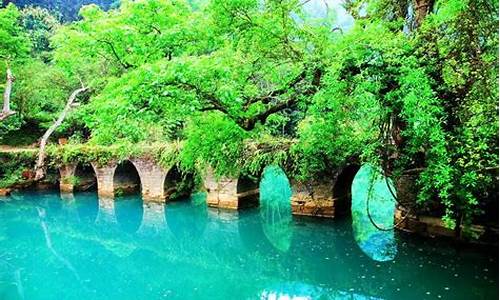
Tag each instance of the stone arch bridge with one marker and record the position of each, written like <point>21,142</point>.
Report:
<point>322,197</point>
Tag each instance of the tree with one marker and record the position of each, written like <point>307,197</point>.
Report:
<point>67,10</point>
<point>14,45</point>
<point>40,25</point>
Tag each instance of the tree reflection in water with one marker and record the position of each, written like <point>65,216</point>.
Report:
<point>370,187</point>
<point>275,208</point>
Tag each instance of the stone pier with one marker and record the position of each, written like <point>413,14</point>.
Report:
<point>105,175</point>
<point>313,198</point>
<point>152,179</point>
<point>327,196</point>
<point>67,172</point>
<point>231,193</point>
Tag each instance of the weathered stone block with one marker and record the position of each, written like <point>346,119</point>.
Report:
<point>421,225</point>
<point>313,198</point>
<point>314,208</point>
<point>104,175</point>
<point>65,187</point>
<point>231,193</point>
<point>435,227</point>
<point>152,179</point>
<point>416,226</point>
<point>67,172</point>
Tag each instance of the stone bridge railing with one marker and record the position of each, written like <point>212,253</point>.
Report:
<point>323,197</point>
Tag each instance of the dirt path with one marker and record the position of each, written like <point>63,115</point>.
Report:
<point>14,149</point>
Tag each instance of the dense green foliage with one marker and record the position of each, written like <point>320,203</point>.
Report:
<point>12,166</point>
<point>66,10</point>
<point>241,84</point>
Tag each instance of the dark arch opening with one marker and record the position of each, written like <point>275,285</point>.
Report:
<point>126,180</point>
<point>247,189</point>
<point>178,185</point>
<point>84,179</point>
<point>342,190</point>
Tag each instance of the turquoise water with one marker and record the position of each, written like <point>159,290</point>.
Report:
<point>83,247</point>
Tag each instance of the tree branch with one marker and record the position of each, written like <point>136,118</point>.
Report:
<point>40,165</point>
<point>125,65</point>
<point>6,112</point>
<point>272,95</point>
<point>248,123</point>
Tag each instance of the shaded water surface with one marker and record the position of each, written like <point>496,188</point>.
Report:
<point>83,247</point>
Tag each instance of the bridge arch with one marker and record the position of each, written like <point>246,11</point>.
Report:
<point>77,177</point>
<point>342,187</point>
<point>323,196</point>
<point>247,191</point>
<point>85,178</point>
<point>177,185</point>
<point>126,179</point>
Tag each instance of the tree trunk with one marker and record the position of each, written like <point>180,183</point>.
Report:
<point>6,112</point>
<point>40,165</point>
<point>422,8</point>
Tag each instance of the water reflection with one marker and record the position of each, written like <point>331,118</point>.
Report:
<point>275,208</point>
<point>323,262</point>
<point>370,187</point>
<point>124,205</point>
<point>87,206</point>
<point>187,218</point>
<point>106,214</point>
<point>68,204</point>
<point>224,231</point>
<point>153,219</point>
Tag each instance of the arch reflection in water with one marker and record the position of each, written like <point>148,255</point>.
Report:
<point>275,208</point>
<point>129,211</point>
<point>87,206</point>
<point>370,187</point>
<point>187,218</point>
